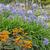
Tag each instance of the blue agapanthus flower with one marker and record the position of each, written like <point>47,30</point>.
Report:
<point>13,10</point>
<point>2,5</point>
<point>25,18</point>
<point>45,17</point>
<point>21,12</point>
<point>45,41</point>
<point>8,7</point>
<point>29,19</point>
<point>34,6</point>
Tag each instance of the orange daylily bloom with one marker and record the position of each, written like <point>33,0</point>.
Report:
<point>27,44</point>
<point>4,36</point>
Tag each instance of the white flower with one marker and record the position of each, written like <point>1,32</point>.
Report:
<point>29,12</point>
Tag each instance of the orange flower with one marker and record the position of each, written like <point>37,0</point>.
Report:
<point>4,36</point>
<point>18,41</point>
<point>27,44</point>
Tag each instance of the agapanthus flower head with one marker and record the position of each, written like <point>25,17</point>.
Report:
<point>34,6</point>
<point>45,41</point>
<point>21,12</point>
<point>34,17</point>
<point>7,7</point>
<point>2,5</point>
<point>29,19</point>
<point>29,12</point>
<point>41,20</point>
<point>45,17</point>
<point>13,10</point>
<point>25,18</point>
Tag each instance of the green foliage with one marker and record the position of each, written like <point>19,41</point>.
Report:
<point>6,1</point>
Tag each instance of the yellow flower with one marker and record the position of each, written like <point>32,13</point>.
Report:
<point>27,44</point>
<point>27,41</point>
<point>18,37</point>
<point>16,30</point>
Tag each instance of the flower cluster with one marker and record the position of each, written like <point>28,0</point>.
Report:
<point>29,15</point>
<point>19,37</point>
<point>4,36</point>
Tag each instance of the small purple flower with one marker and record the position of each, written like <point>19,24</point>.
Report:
<point>45,41</point>
<point>25,18</point>
<point>45,17</point>
<point>7,7</point>
<point>34,6</point>
<point>2,5</point>
<point>29,19</point>
<point>40,20</point>
<point>21,12</point>
<point>34,17</point>
<point>13,11</point>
